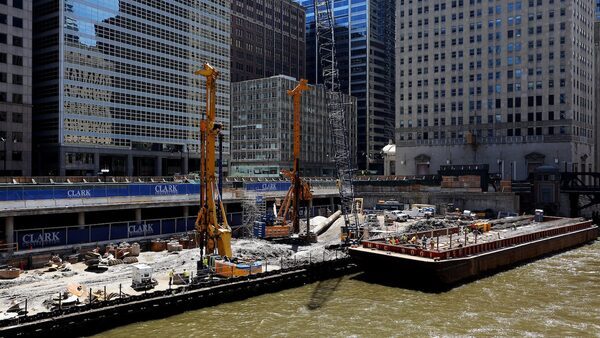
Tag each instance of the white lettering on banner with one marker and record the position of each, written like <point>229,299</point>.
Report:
<point>269,186</point>
<point>83,193</point>
<point>168,189</point>
<point>48,238</point>
<point>141,230</point>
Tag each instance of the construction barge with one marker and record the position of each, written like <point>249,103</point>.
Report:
<point>452,255</point>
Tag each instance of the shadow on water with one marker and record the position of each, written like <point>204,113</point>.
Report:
<point>322,293</point>
<point>408,283</point>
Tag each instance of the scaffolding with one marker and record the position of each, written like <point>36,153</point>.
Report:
<point>254,206</point>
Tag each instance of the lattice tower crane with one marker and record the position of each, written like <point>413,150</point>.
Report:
<point>325,31</point>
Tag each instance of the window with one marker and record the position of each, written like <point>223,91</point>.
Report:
<point>3,77</point>
<point>3,18</point>
<point>17,79</point>
<point>2,38</point>
<point>2,57</point>
<point>17,22</point>
<point>18,4</point>
<point>17,98</point>
<point>17,156</point>
<point>17,136</point>
<point>2,96</point>
<point>16,117</point>
<point>2,116</point>
<point>17,41</point>
<point>17,60</point>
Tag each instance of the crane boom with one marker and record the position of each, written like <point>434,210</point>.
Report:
<point>211,222</point>
<point>324,26</point>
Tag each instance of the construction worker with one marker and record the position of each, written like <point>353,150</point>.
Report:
<point>171,274</point>
<point>186,275</point>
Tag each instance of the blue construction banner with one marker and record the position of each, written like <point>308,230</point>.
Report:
<point>36,194</point>
<point>13,195</point>
<point>143,229</point>
<point>117,190</point>
<point>191,224</point>
<point>78,235</point>
<point>168,226</point>
<point>268,186</point>
<point>73,235</point>
<point>40,238</point>
<point>235,219</point>
<point>97,191</point>
<point>118,231</point>
<point>100,233</point>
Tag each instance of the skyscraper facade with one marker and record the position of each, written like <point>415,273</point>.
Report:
<point>267,38</point>
<point>364,34</point>
<point>115,87</point>
<point>263,128</point>
<point>506,83</point>
<point>15,87</point>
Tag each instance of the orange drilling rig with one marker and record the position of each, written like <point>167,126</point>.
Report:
<point>299,189</point>
<point>211,223</point>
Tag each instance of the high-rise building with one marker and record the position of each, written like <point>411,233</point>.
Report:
<point>262,128</point>
<point>509,84</point>
<point>15,87</point>
<point>597,96</point>
<point>115,86</point>
<point>364,34</point>
<point>267,38</point>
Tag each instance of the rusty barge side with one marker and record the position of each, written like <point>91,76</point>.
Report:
<point>447,267</point>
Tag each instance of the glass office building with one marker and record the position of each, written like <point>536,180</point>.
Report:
<point>364,33</point>
<point>115,86</point>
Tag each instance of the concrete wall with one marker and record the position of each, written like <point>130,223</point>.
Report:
<point>463,200</point>
<point>489,154</point>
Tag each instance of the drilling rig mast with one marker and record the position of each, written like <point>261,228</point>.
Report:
<point>211,223</point>
<point>299,190</point>
<point>325,30</point>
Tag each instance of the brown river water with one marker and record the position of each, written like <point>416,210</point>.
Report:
<point>557,296</point>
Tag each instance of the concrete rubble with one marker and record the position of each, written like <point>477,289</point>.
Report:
<point>40,286</point>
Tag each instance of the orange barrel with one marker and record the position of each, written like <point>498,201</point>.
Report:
<point>158,245</point>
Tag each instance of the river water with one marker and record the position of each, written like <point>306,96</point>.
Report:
<point>556,296</point>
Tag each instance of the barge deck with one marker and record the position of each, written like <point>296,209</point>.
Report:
<point>457,256</point>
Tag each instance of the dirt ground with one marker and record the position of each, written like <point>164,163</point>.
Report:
<point>41,285</point>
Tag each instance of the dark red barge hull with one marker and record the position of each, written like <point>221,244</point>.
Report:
<point>460,265</point>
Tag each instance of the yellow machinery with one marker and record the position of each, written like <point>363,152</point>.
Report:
<point>481,226</point>
<point>299,190</point>
<point>211,222</point>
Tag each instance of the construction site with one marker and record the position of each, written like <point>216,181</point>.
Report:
<point>135,249</point>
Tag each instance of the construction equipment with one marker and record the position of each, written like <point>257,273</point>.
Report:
<point>324,25</point>
<point>141,278</point>
<point>299,190</point>
<point>211,223</point>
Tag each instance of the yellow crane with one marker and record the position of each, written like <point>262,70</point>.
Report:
<point>211,223</point>
<point>299,190</point>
